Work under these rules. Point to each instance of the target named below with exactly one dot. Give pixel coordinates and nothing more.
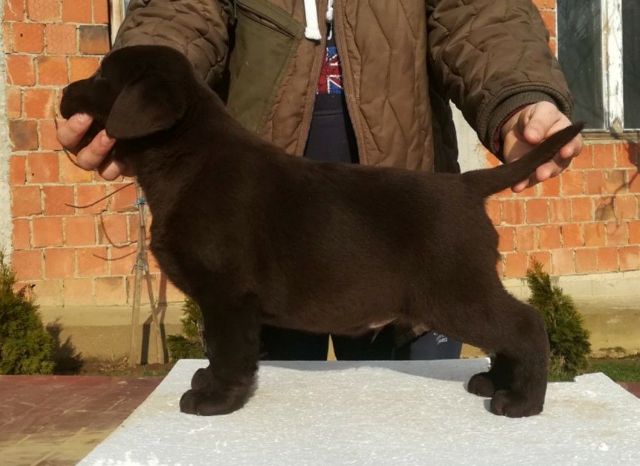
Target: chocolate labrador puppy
(257, 236)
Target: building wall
(583, 222)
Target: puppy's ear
(145, 106)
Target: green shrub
(188, 345)
(568, 339)
(25, 345)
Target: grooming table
(377, 413)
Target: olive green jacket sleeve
(491, 57)
(197, 28)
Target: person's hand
(96, 154)
(529, 127)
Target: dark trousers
(331, 139)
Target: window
(599, 50)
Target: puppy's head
(136, 92)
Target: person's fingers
(70, 132)
(112, 169)
(94, 154)
(538, 122)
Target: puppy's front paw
(510, 404)
(204, 403)
(202, 378)
(481, 385)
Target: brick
(52, 71)
(629, 258)
(506, 239)
(20, 70)
(626, 207)
(59, 262)
(537, 211)
(634, 182)
(604, 155)
(615, 182)
(582, 209)
(572, 235)
(48, 292)
(571, 183)
(594, 234)
(634, 232)
(545, 4)
(76, 11)
(56, 200)
(549, 19)
(69, 173)
(605, 209)
(586, 260)
(78, 291)
(594, 182)
(48, 138)
(21, 234)
(124, 199)
(26, 201)
(47, 231)
(82, 67)
(27, 264)
(80, 230)
(23, 135)
(525, 238)
(515, 264)
(562, 262)
(17, 170)
(14, 102)
(94, 40)
(88, 194)
(513, 212)
(7, 44)
(122, 260)
(110, 290)
(559, 210)
(43, 10)
(617, 234)
(100, 12)
(627, 155)
(583, 160)
(39, 103)
(91, 262)
(549, 237)
(494, 210)
(541, 257)
(61, 39)
(28, 37)
(14, 10)
(42, 168)
(550, 187)
(607, 259)
(114, 228)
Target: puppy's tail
(492, 180)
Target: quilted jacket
(403, 61)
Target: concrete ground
(57, 420)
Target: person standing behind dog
(355, 81)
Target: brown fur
(257, 236)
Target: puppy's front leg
(232, 336)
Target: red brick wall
(582, 222)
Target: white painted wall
(469, 147)
(5, 153)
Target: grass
(619, 370)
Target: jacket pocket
(265, 40)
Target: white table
(378, 413)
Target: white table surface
(378, 413)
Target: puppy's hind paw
(510, 404)
(481, 385)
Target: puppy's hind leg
(517, 380)
(231, 333)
